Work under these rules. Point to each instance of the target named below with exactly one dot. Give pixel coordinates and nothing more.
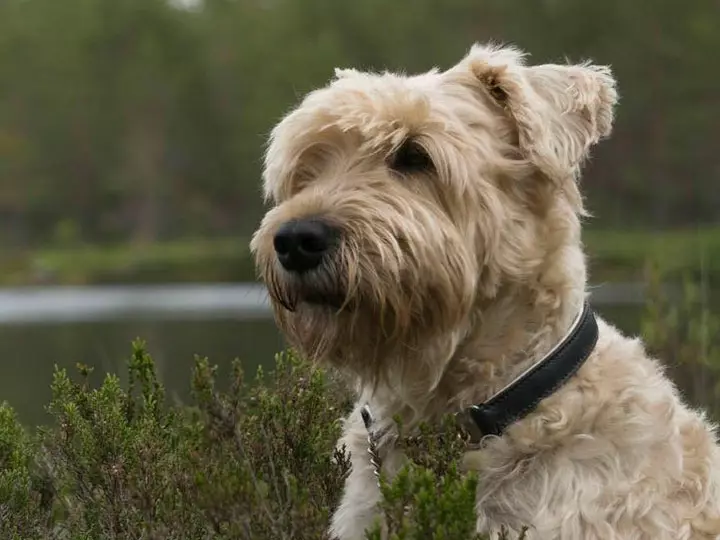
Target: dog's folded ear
(559, 111)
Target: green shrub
(24, 498)
(684, 331)
(255, 462)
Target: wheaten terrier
(425, 239)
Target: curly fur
(449, 281)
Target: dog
(424, 238)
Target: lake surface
(43, 327)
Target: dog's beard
(356, 313)
(352, 337)
(323, 287)
(340, 313)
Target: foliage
(24, 495)
(119, 463)
(138, 120)
(684, 330)
(256, 462)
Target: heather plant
(682, 328)
(257, 461)
(23, 494)
(251, 462)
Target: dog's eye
(410, 158)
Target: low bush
(255, 462)
(682, 327)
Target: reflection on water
(114, 302)
(30, 350)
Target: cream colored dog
(425, 240)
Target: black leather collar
(520, 397)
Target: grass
(226, 259)
(613, 255)
(621, 255)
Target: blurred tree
(139, 120)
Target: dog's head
(402, 203)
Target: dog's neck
(504, 336)
(510, 335)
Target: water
(44, 327)
(169, 302)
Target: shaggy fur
(450, 278)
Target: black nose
(300, 245)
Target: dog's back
(614, 455)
